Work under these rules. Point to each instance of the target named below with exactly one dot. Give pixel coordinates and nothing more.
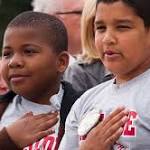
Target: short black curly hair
(53, 27)
(141, 8)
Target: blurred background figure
(69, 11)
(88, 70)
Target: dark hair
(141, 8)
(53, 27)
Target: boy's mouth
(111, 54)
(15, 78)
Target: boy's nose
(15, 62)
(109, 38)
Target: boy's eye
(100, 28)
(123, 27)
(7, 54)
(29, 51)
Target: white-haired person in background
(69, 11)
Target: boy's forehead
(26, 30)
(116, 9)
(25, 34)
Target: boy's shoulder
(85, 103)
(98, 88)
(69, 91)
(86, 100)
(5, 100)
(69, 98)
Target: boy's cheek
(5, 77)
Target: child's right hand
(107, 132)
(31, 128)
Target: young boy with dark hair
(34, 58)
(122, 41)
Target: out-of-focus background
(8, 10)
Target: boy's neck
(44, 97)
(129, 76)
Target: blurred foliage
(8, 10)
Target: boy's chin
(18, 91)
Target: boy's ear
(62, 61)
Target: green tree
(8, 10)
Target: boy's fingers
(53, 112)
(48, 115)
(114, 117)
(112, 139)
(42, 134)
(27, 115)
(114, 128)
(113, 122)
(113, 114)
(121, 117)
(48, 124)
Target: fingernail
(120, 130)
(53, 112)
(58, 117)
(124, 119)
(126, 111)
(51, 131)
(121, 107)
